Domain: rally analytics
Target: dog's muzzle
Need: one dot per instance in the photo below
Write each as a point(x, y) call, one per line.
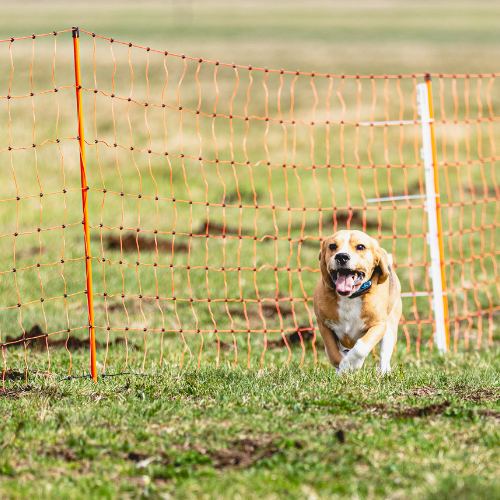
point(346, 280)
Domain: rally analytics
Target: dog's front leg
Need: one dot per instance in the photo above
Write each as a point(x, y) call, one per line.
point(331, 347)
point(357, 355)
point(386, 349)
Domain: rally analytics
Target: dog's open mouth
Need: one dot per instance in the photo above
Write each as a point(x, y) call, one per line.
point(346, 280)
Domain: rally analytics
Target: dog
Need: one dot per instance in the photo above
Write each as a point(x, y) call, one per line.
point(357, 301)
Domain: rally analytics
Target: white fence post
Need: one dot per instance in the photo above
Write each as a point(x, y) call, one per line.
point(432, 236)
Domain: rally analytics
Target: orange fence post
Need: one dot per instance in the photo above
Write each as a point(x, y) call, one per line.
point(83, 171)
point(438, 211)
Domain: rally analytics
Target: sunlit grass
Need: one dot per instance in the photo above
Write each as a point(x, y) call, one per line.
point(223, 433)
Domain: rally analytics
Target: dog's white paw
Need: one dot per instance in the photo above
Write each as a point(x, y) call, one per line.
point(347, 365)
point(384, 368)
point(355, 358)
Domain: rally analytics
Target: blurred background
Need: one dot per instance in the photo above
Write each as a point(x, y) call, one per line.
point(324, 36)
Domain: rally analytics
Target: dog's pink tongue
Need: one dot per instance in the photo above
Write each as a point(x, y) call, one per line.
point(345, 283)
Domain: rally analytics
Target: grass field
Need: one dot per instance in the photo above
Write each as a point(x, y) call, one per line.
point(214, 432)
point(428, 431)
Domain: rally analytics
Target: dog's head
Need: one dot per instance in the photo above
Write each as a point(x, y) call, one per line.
point(349, 258)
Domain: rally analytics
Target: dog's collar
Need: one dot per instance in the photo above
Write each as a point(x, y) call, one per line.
point(364, 288)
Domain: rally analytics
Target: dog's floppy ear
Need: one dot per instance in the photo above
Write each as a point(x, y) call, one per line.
point(382, 265)
point(322, 264)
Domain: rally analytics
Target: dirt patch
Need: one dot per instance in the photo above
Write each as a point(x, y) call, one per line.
point(473, 394)
point(59, 453)
point(133, 305)
point(342, 217)
point(146, 244)
point(425, 391)
point(355, 219)
point(117, 306)
point(478, 190)
point(477, 395)
point(21, 375)
point(268, 311)
point(20, 393)
point(376, 407)
point(35, 339)
point(489, 413)
point(28, 252)
point(243, 453)
point(294, 338)
point(328, 427)
point(392, 411)
point(216, 229)
point(13, 375)
point(224, 346)
point(426, 411)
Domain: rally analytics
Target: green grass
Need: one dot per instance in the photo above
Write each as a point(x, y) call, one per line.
point(278, 432)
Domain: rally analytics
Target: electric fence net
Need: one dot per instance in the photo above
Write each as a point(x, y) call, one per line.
point(209, 187)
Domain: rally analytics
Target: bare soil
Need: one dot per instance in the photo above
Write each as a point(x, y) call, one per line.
point(294, 338)
point(146, 244)
point(426, 411)
point(241, 453)
point(216, 229)
point(37, 340)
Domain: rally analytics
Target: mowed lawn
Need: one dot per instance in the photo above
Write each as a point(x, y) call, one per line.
point(228, 429)
point(430, 430)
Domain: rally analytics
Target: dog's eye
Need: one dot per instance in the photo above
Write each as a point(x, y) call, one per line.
point(333, 246)
point(360, 247)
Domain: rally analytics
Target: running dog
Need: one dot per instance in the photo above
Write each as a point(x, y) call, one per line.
point(357, 301)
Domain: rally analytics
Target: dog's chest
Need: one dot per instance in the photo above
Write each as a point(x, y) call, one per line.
point(348, 321)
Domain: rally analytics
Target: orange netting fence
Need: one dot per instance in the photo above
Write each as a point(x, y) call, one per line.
point(209, 187)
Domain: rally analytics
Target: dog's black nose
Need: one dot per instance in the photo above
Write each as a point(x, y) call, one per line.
point(342, 258)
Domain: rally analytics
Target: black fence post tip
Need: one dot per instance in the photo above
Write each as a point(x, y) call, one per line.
point(76, 32)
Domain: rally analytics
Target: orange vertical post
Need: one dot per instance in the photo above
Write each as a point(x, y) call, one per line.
point(438, 210)
point(86, 231)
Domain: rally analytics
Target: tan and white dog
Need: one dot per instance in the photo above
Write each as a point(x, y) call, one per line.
point(357, 301)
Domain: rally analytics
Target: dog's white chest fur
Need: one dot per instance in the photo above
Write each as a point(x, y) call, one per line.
point(349, 322)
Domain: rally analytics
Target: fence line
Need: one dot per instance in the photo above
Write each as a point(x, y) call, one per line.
point(207, 188)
